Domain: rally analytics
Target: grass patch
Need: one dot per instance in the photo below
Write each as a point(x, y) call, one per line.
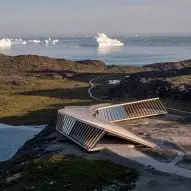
point(178, 80)
point(39, 101)
point(71, 173)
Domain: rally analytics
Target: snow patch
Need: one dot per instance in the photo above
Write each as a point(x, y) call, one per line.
point(114, 82)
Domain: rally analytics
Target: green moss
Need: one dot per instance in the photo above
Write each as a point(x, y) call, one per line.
point(71, 173)
point(38, 102)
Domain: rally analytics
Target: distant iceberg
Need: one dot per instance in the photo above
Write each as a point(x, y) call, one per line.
point(5, 43)
point(54, 41)
point(18, 41)
point(34, 41)
point(104, 41)
point(50, 41)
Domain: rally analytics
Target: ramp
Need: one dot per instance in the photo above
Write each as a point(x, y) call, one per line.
point(132, 110)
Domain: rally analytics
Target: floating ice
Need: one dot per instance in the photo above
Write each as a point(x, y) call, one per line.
point(18, 41)
point(50, 41)
point(5, 43)
point(46, 42)
point(103, 41)
point(54, 41)
point(34, 41)
point(24, 42)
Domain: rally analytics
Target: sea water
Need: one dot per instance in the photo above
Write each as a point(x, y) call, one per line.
point(136, 50)
point(13, 137)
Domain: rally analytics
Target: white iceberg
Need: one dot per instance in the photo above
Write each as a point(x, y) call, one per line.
point(50, 41)
point(46, 42)
point(18, 41)
point(5, 43)
point(34, 41)
point(104, 41)
point(24, 42)
point(54, 41)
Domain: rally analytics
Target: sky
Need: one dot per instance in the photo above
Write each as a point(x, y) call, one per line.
point(86, 17)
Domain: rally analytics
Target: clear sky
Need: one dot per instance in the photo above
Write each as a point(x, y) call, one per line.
point(63, 17)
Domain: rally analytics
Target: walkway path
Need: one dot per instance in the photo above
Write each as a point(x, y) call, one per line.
point(92, 86)
point(142, 158)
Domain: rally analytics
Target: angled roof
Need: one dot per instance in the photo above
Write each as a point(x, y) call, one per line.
point(87, 125)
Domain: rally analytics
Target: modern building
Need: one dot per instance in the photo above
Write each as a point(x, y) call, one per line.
point(87, 126)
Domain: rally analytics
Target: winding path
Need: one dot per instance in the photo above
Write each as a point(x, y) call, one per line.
point(92, 86)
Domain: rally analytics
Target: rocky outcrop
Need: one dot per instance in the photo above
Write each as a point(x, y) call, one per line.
point(133, 88)
point(37, 63)
point(165, 80)
point(34, 63)
point(169, 65)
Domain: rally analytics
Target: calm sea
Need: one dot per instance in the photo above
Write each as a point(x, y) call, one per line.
point(136, 50)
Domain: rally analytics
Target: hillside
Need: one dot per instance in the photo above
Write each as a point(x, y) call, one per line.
point(169, 65)
point(31, 63)
point(165, 80)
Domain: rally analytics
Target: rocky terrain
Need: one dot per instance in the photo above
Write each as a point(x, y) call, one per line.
point(169, 65)
point(165, 80)
point(34, 63)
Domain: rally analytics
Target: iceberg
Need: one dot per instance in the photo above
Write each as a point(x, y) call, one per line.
point(104, 41)
point(46, 42)
point(18, 41)
point(54, 41)
point(50, 41)
point(34, 41)
point(5, 43)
